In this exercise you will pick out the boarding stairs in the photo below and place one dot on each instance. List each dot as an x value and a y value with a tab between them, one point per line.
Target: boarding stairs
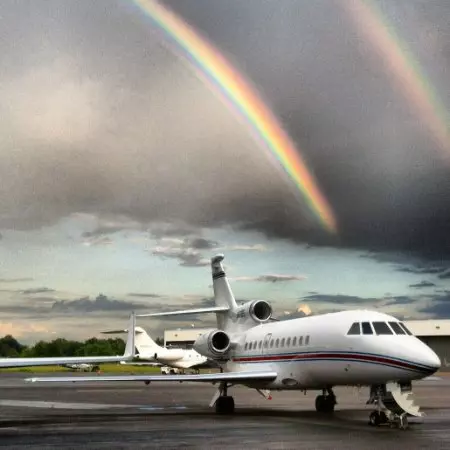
399	400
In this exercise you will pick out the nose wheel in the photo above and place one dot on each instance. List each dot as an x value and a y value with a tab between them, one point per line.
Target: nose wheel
377	418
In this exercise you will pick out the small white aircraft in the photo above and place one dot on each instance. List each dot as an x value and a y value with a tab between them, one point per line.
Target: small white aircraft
81	367
149	350
347	348
75	360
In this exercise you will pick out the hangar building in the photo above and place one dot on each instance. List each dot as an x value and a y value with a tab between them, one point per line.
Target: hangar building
183	337
435	333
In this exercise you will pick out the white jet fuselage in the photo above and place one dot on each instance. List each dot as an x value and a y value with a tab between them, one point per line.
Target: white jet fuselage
317	351
174	357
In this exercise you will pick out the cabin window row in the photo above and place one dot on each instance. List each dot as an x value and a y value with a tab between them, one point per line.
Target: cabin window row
277	343
378	328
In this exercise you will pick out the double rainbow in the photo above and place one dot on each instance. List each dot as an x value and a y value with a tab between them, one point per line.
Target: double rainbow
399	61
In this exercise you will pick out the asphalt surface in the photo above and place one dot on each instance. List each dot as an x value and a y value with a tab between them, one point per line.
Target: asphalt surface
174	415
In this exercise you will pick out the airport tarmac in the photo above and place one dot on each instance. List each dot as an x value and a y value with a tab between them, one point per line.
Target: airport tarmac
173	415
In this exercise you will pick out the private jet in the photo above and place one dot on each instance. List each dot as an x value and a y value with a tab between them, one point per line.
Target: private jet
149	350
347	348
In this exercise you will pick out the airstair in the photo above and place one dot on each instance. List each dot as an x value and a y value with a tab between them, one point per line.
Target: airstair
395	402
399	399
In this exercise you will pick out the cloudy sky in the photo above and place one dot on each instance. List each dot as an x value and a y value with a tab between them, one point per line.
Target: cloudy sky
122	173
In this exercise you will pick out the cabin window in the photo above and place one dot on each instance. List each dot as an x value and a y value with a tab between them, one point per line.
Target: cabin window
300	341
260	344
282	342
294	341
288	342
266	343
354	329
246	345
366	328
271	343
277	343
306	340
397	328
381	328
406	329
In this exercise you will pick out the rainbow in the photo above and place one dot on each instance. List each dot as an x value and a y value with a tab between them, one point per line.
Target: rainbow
236	91
406	71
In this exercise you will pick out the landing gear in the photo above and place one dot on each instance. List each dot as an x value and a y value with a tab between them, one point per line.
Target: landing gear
382	415
325	403
377	418
224	403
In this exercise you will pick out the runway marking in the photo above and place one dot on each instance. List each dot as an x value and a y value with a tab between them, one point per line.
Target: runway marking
59	405
159	408
109	390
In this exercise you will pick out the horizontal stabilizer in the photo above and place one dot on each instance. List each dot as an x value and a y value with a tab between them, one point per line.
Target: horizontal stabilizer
137	330
202	378
213	309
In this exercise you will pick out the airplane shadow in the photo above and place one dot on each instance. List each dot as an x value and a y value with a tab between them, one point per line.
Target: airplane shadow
348	417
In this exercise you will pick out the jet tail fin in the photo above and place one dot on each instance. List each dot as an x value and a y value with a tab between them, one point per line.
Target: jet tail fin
224	300
130	349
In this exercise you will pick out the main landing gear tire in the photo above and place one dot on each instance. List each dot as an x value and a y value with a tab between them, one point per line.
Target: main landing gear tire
378	418
325	403
225	405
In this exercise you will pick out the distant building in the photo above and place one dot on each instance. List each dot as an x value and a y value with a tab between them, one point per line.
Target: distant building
436	334
183	337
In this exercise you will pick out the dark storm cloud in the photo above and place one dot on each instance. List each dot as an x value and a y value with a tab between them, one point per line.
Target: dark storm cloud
444	276
14	280
40	290
439	307
423	270
272	278
202	244
101	303
400	300
99	117
143	295
340	299
422	284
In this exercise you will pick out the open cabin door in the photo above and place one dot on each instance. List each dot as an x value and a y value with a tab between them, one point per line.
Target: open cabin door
265	348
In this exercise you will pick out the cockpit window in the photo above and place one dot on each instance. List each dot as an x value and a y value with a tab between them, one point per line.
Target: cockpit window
354	329
366	328
397	328
406	329
381	328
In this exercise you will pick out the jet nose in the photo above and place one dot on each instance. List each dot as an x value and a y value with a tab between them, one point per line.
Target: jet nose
431	360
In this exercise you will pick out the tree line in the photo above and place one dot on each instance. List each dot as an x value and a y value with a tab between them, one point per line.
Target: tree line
12	348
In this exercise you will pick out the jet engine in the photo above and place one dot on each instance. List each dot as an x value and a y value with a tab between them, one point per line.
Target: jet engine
258	310
213	345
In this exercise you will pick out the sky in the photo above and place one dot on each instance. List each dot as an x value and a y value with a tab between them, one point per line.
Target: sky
123	171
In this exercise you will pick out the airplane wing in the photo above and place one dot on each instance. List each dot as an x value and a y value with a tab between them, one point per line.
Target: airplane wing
202	378
127	356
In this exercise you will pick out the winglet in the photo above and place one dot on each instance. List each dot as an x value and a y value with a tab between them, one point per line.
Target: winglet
130	348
